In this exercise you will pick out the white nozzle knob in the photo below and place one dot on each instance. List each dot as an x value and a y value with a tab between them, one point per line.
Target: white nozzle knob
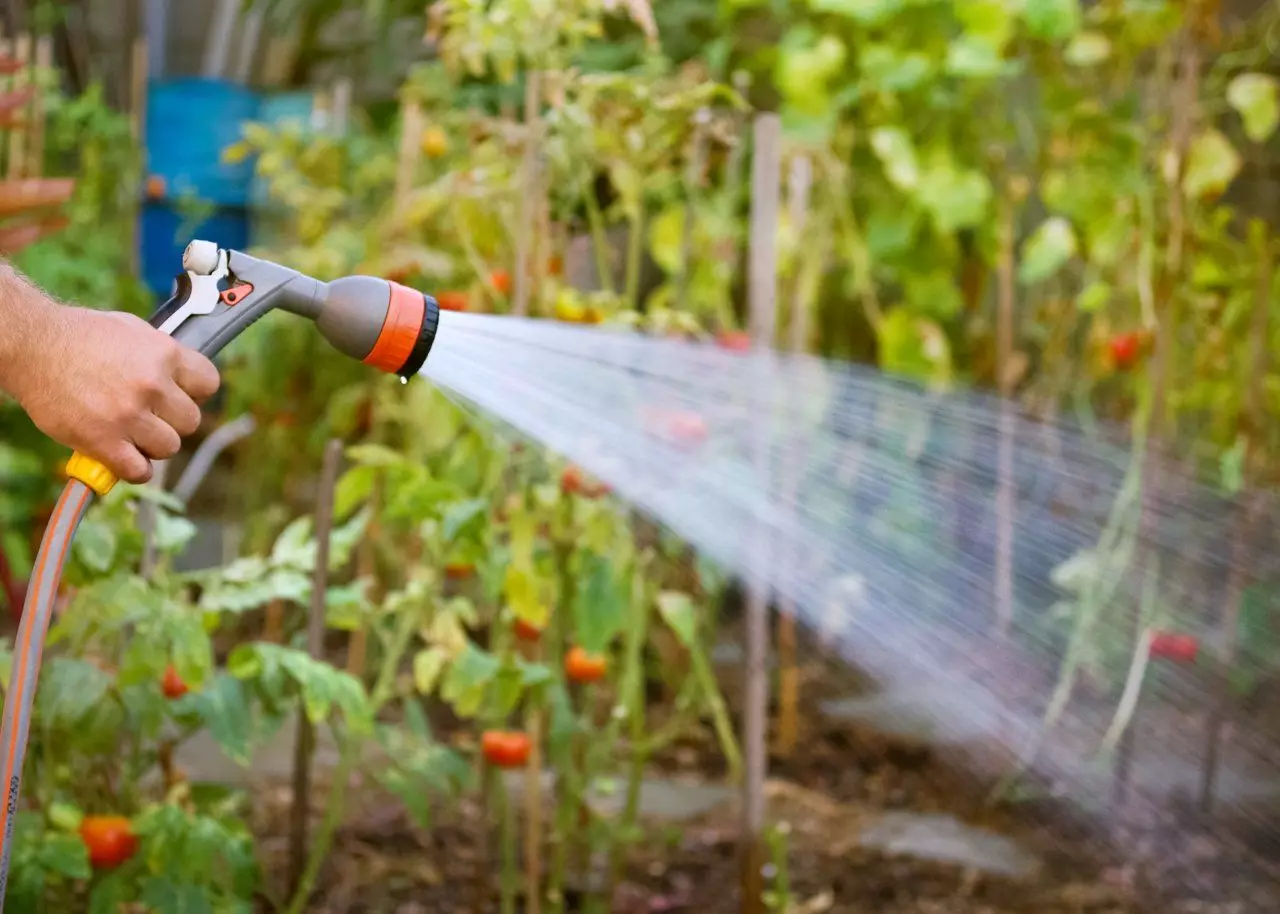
200	257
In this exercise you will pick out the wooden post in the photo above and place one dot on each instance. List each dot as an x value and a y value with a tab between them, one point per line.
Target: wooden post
801	180
410	149
35	150
305	746
18	137
137	125
765	191
529	201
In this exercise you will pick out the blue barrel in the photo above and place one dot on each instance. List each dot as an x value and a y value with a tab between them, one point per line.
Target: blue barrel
190	122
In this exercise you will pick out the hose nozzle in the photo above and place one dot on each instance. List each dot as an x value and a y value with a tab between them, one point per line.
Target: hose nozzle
383	324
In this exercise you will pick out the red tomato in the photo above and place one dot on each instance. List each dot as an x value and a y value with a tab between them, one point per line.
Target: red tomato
571	480
583	666
527	631
1125	348
109	839
500	281
505	749
1175	647
734	340
172	684
452	301
458	571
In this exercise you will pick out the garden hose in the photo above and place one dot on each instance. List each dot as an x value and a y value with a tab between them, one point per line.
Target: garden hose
219	294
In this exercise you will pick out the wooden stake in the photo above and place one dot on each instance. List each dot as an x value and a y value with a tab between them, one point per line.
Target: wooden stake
411	125
18	138
529	203
1005	495
801	179
305	746
765	191
137	127
35	151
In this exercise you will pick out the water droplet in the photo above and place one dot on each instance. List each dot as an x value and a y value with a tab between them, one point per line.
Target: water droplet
404	380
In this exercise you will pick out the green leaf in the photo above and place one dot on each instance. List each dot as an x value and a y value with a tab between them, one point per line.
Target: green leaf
599	605
868	12
990	20
519	587
891	230
353	489
1048	250
677	610
161	894
913	347
223	708
467	681
376	455
69	689
1256	97
65	817
955	198
933	294
1052	19
507	688
172	532
887	69
972	57
294	546
427	667
462	517
1088	49
893	148
95	544
1212	164
1094	297
65	855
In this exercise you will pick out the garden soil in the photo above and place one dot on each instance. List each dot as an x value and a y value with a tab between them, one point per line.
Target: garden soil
843	779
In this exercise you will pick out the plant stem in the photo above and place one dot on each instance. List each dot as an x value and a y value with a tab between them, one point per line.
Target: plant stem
635	250
332	816
510	872
599	240
719	712
633	702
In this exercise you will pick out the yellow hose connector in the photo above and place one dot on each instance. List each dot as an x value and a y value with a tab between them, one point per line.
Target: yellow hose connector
91	473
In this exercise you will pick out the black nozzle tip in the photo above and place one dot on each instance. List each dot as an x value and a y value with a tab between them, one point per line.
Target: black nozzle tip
426	336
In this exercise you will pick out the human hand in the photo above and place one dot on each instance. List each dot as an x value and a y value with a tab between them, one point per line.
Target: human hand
112	387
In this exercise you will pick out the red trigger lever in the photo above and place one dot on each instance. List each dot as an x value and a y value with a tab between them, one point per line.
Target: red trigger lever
235	294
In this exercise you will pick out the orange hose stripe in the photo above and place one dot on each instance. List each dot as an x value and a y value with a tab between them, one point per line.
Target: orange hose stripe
24	648
405	311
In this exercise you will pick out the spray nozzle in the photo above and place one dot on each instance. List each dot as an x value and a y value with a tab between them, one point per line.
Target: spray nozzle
221	292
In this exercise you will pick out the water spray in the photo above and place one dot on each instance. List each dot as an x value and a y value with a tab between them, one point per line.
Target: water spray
219	294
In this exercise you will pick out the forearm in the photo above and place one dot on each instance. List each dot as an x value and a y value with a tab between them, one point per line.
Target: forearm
26	318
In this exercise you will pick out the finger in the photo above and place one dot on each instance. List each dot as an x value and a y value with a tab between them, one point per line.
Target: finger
196	375
156	439
177	410
128	463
